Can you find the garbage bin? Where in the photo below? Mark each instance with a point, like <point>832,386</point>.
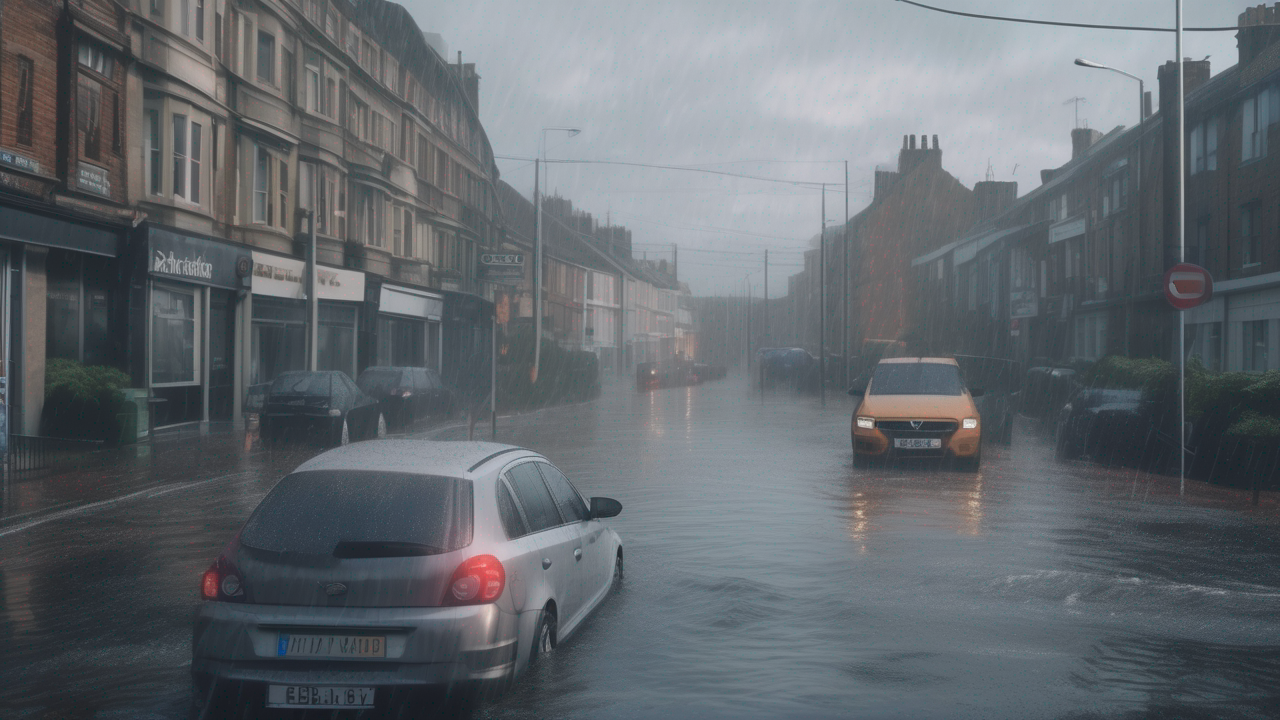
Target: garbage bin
<point>133,415</point>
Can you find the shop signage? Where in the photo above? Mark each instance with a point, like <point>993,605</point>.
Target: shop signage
<point>1023,304</point>
<point>410,302</point>
<point>22,162</point>
<point>193,259</point>
<point>93,179</point>
<point>287,278</point>
<point>501,268</point>
<point>22,184</point>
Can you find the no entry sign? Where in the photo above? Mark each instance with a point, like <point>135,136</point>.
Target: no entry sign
<point>1187,285</point>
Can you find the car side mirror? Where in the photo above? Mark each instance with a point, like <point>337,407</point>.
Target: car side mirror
<point>603,507</point>
<point>858,388</point>
<point>975,392</point>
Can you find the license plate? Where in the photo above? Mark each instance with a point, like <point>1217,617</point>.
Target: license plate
<point>354,646</point>
<point>918,443</point>
<point>319,696</point>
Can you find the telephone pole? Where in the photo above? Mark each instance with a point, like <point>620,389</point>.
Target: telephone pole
<point>844,324</point>
<point>822,300</point>
<point>766,291</point>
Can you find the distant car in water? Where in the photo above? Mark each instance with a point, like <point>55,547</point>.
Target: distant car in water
<point>326,406</point>
<point>916,408</point>
<point>792,366</point>
<point>407,394</point>
<point>1000,381</point>
<point>1107,425</point>
<point>669,373</point>
<point>389,566</point>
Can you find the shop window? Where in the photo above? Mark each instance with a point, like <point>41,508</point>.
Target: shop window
<point>174,351</point>
<point>401,341</point>
<point>1091,336</point>
<point>278,339</point>
<point>1255,342</point>
<point>337,348</point>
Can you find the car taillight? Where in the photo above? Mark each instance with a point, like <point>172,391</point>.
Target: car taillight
<point>222,581</point>
<point>477,581</point>
<point>405,393</point>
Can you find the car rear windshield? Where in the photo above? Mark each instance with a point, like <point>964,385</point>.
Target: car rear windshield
<point>312,512</point>
<point>377,382</point>
<point>916,379</point>
<point>302,384</point>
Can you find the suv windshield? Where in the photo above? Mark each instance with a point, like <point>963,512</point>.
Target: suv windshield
<point>916,379</point>
<point>312,512</point>
<point>302,384</point>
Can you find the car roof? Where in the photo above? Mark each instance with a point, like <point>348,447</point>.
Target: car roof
<point>450,458</point>
<point>934,360</point>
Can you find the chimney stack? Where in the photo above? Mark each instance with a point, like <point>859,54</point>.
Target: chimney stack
<point>1256,30</point>
<point>924,142</point>
<point>1146,104</point>
<point>1082,139</point>
<point>913,141</point>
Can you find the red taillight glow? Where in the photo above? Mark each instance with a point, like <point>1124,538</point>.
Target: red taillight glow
<point>477,581</point>
<point>222,580</point>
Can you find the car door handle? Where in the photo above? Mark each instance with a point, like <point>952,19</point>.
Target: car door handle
<point>577,553</point>
<point>546,563</point>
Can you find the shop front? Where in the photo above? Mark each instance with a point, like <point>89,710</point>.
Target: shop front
<point>278,337</point>
<point>191,292</point>
<point>408,332</point>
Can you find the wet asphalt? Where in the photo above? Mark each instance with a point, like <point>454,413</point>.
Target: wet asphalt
<point>766,577</point>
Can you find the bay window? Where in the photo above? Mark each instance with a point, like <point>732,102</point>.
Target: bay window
<point>270,187</point>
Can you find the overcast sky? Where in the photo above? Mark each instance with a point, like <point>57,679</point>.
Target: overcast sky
<point>742,87</point>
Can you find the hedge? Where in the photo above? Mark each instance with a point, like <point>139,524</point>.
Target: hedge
<point>564,376</point>
<point>82,401</point>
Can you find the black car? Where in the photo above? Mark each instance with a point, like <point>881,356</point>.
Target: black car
<point>408,394</point>
<point>1000,381</point>
<point>325,405</point>
<point>1107,425</point>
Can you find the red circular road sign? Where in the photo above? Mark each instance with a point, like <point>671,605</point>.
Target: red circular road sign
<point>1187,285</point>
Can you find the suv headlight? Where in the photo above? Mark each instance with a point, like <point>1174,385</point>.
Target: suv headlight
<point>866,423</point>
<point>970,423</point>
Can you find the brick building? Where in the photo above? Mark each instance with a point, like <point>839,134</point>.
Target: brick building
<point>157,160</point>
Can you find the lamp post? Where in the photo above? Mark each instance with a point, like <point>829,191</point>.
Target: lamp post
<point>537,245</point>
<point>1142,119</point>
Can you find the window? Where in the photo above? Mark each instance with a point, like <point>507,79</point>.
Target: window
<point>92,57</point>
<point>1249,235</point>
<point>153,152</point>
<point>174,355</point>
<point>368,223</point>
<point>89,117</point>
<point>353,42</point>
<point>26,89</point>
<point>1204,146</point>
<point>157,8</point>
<point>331,25</point>
<point>511,520</point>
<point>283,192</point>
<point>1255,345</point>
<point>262,206</point>
<point>194,163</point>
<point>266,57</point>
<point>1259,112</point>
<point>290,75</point>
<point>179,155</point>
<point>539,507</point>
<point>570,504</point>
<point>200,20</point>
<point>1091,336</point>
<point>1204,341</point>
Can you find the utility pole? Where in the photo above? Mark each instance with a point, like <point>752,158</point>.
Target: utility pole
<point>822,300</point>
<point>537,272</point>
<point>313,287</point>
<point>675,263</point>
<point>844,324</point>
<point>1182,257</point>
<point>766,292</point>
<point>748,328</point>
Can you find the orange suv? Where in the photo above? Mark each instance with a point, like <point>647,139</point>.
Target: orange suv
<point>916,408</point>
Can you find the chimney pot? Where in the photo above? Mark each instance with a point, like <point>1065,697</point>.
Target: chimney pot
<point>924,142</point>
<point>904,142</point>
<point>913,141</point>
<point>935,142</point>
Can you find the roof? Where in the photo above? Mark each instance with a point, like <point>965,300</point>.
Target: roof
<point>447,458</point>
<point>931,360</point>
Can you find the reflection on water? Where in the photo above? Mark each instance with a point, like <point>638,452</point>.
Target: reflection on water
<point>859,522</point>
<point>971,509</point>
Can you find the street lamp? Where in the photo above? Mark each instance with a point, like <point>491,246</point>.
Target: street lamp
<point>1142,112</point>
<point>537,245</point>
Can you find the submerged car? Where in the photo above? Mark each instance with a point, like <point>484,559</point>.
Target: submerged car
<point>916,408</point>
<point>326,406</point>
<point>1108,425</point>
<point>997,406</point>
<point>384,567</point>
<point>407,394</point>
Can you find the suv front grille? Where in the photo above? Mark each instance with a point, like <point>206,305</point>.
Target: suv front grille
<point>929,427</point>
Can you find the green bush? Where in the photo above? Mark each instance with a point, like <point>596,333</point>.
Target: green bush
<point>564,376</point>
<point>82,401</point>
<point>1253,424</point>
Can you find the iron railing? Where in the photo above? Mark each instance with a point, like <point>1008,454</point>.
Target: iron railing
<point>32,452</point>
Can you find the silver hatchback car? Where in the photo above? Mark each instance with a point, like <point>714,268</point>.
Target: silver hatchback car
<point>392,565</point>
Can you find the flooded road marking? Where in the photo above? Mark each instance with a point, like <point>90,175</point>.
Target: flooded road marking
<point>145,494</point>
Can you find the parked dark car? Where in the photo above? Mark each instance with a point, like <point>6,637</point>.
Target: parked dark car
<point>671,373</point>
<point>647,375</point>
<point>1000,381</point>
<point>1111,426</point>
<point>408,394</point>
<point>326,406</point>
<point>791,366</point>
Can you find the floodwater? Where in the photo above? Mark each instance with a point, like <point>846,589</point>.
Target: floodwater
<point>766,577</point>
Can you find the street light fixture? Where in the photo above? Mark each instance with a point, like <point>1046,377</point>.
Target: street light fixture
<point>1142,112</point>
<point>537,245</point>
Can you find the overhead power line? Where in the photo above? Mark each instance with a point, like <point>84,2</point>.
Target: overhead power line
<point>1090,26</point>
<point>684,168</point>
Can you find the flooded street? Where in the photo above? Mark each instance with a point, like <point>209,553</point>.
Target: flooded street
<point>766,577</point>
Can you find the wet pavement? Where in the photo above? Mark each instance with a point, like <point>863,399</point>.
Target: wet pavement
<point>766,577</point>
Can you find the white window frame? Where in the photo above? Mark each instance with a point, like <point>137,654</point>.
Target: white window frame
<point>197,294</point>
